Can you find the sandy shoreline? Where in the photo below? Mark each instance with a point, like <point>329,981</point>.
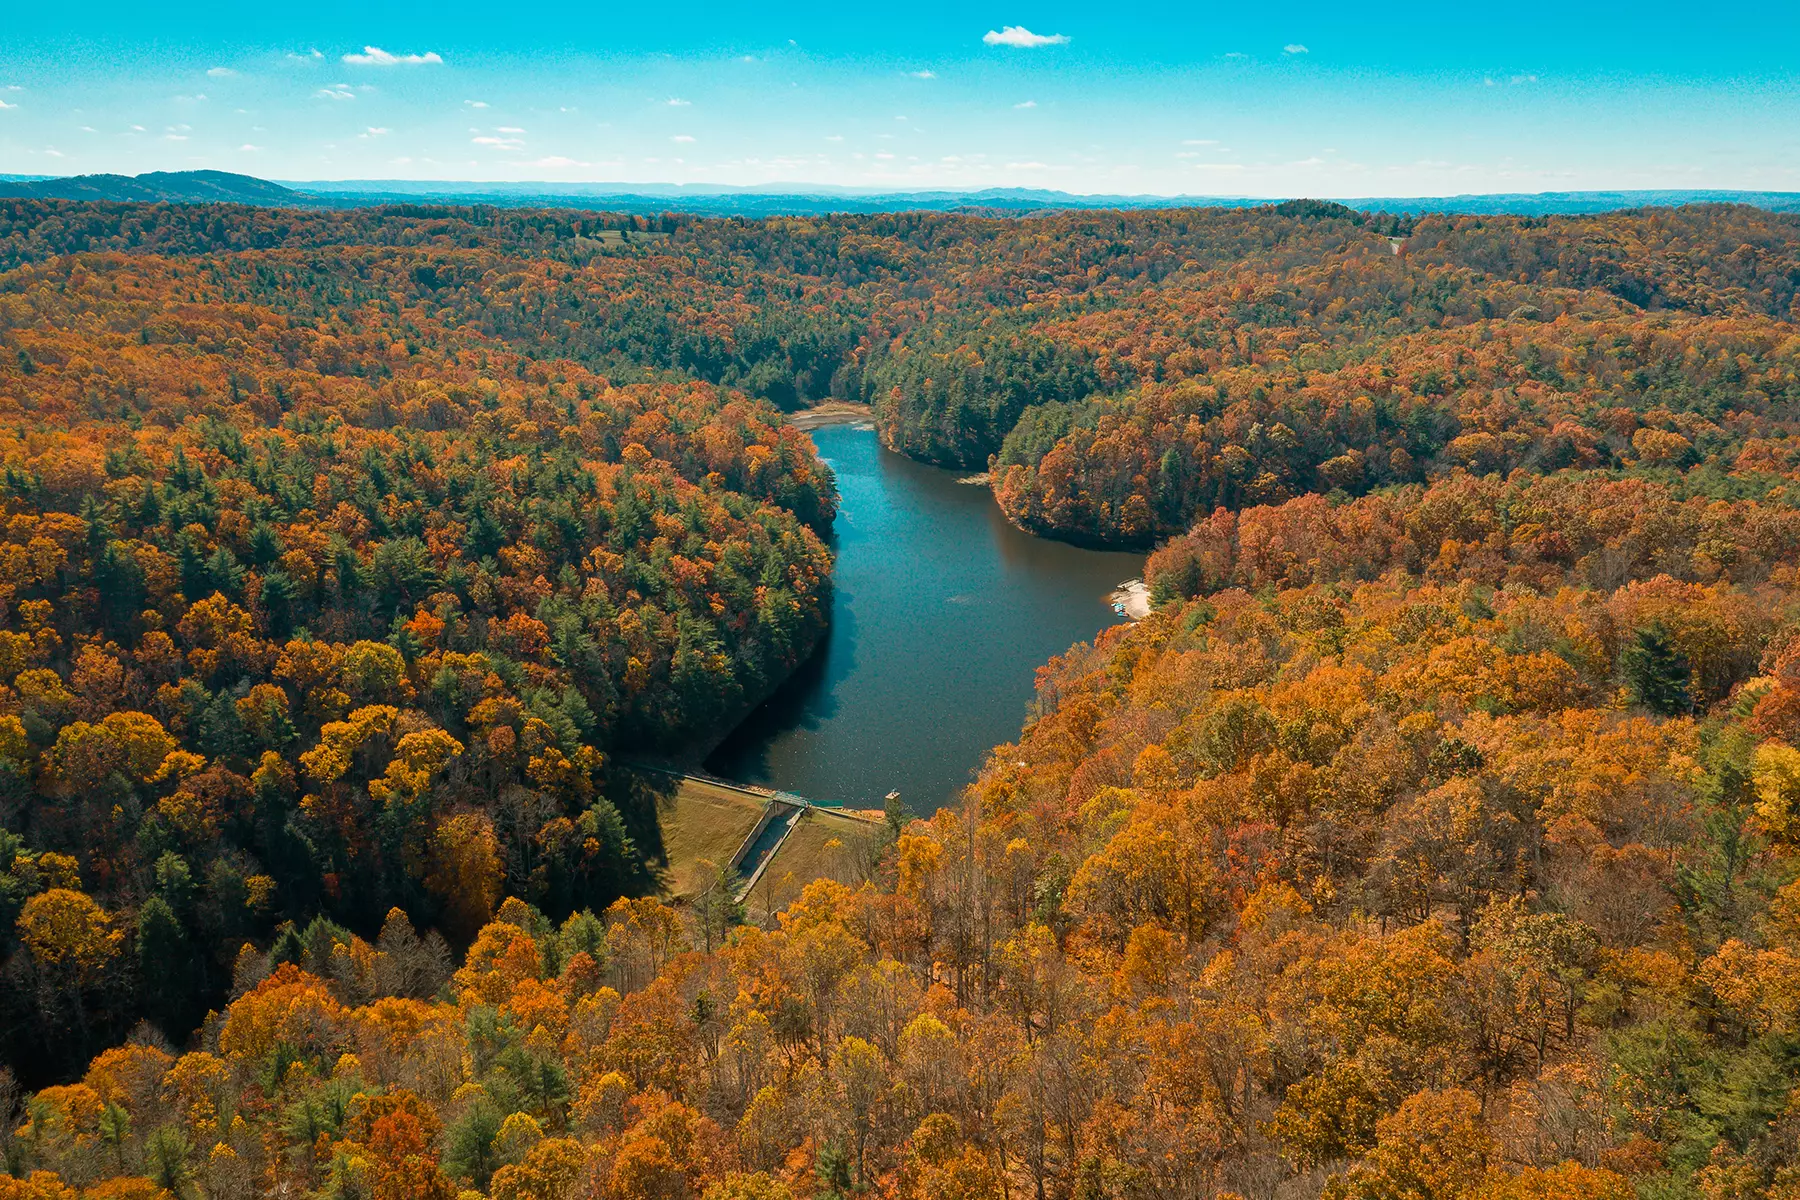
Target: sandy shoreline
<point>1131,598</point>
<point>832,412</point>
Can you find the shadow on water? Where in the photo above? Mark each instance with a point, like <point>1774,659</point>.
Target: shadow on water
<point>942,613</point>
<point>805,701</point>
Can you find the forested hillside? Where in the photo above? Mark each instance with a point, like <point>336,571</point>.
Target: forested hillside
<point>315,605</point>
<point>1121,372</point>
<point>1437,836</point>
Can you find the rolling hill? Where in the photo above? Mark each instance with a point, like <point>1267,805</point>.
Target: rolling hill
<point>785,199</point>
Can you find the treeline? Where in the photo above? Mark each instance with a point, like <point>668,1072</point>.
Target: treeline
<point>1120,373</point>
<point>1243,385</point>
<point>1440,844</point>
<point>1435,836</point>
<point>311,606</point>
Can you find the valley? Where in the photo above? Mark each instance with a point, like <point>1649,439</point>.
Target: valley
<point>1426,823</point>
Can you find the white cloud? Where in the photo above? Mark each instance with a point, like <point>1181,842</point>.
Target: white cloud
<point>1200,142</point>
<point>476,103</point>
<point>1026,104</point>
<point>374,131</point>
<point>511,129</point>
<point>499,143</point>
<point>337,91</point>
<point>89,129</point>
<point>4,104</point>
<point>221,73</point>
<point>375,56</point>
<point>834,137</point>
<point>678,102</point>
<point>311,56</point>
<point>195,99</point>
<point>247,148</point>
<point>681,137</point>
<point>53,153</point>
<point>1018,35</point>
<point>175,137</point>
<point>1295,48</point>
<point>923,74</point>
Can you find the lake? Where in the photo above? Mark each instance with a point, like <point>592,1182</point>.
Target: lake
<point>941,615</point>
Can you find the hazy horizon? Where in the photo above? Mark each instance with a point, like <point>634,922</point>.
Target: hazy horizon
<point>869,199</point>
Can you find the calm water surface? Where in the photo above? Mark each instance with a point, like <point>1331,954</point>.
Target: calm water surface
<point>942,614</point>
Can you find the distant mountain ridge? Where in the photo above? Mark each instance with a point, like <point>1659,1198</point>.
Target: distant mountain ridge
<point>177,187</point>
<point>786,199</point>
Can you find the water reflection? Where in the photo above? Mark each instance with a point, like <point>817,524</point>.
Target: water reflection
<point>942,613</point>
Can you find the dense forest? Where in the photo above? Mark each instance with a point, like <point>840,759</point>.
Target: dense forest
<point>1436,837</point>
<point>303,621</point>
<point>1120,373</point>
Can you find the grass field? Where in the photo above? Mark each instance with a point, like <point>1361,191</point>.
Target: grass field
<point>702,822</point>
<point>611,238</point>
<point>809,853</point>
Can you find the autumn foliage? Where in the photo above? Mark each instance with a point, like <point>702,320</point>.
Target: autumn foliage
<point>313,605</point>
<point>1436,837</point>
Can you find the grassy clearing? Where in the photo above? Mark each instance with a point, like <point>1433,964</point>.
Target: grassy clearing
<point>824,844</point>
<point>702,822</point>
<point>613,238</point>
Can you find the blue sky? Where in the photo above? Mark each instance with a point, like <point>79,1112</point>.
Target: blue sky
<point>1262,99</point>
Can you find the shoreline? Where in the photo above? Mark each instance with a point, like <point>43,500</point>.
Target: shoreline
<point>1132,598</point>
<point>831,412</point>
